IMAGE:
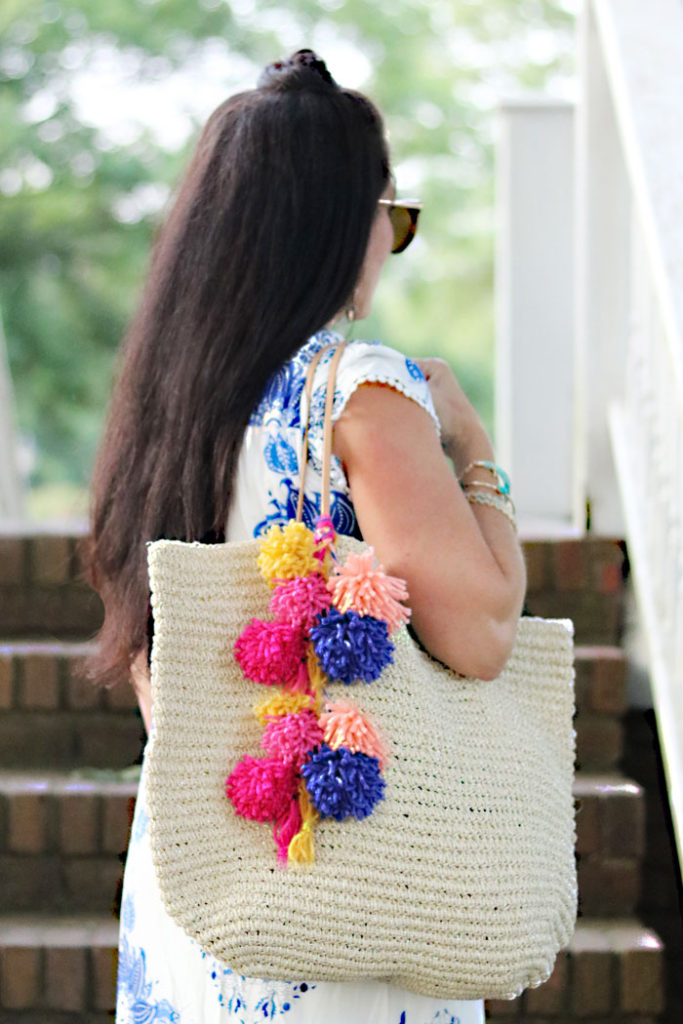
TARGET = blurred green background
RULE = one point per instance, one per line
(99, 106)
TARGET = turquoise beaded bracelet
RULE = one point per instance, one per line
(502, 477)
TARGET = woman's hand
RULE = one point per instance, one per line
(139, 677)
(463, 436)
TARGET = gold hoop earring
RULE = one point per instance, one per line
(350, 315)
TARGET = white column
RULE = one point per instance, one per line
(535, 362)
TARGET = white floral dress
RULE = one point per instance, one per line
(163, 975)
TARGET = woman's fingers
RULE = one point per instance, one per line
(461, 428)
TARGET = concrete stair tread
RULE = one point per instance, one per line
(595, 934)
(46, 646)
(613, 935)
(604, 784)
(608, 652)
(612, 972)
(64, 930)
(124, 781)
(99, 782)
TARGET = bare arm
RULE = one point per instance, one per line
(462, 563)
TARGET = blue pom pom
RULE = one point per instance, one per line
(342, 784)
(350, 646)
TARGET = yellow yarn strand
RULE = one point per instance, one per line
(317, 679)
(282, 704)
(301, 849)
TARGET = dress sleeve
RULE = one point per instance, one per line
(363, 362)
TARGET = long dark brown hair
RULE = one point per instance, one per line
(263, 247)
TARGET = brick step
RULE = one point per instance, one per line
(611, 973)
(610, 843)
(41, 592)
(52, 717)
(601, 705)
(59, 970)
(63, 840)
(580, 579)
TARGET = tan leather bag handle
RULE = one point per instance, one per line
(327, 428)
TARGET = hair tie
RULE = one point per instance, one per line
(303, 70)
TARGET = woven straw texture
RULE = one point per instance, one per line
(461, 884)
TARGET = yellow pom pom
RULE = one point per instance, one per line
(281, 703)
(287, 551)
(301, 849)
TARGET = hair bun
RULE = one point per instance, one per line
(303, 70)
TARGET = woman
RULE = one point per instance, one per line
(283, 223)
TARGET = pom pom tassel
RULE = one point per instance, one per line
(350, 646)
(345, 725)
(362, 587)
(261, 789)
(287, 551)
(273, 653)
(341, 784)
(298, 601)
(291, 737)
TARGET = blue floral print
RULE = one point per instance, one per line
(414, 370)
(283, 508)
(134, 992)
(278, 417)
(245, 1009)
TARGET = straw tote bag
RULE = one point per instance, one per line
(461, 881)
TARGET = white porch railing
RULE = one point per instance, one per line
(614, 381)
(11, 491)
(630, 150)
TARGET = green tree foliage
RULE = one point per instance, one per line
(80, 194)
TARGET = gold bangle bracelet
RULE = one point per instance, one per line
(500, 504)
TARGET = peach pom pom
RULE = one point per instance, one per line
(366, 589)
(286, 552)
(298, 601)
(345, 725)
(280, 703)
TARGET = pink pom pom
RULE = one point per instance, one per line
(273, 653)
(291, 737)
(298, 601)
(345, 725)
(361, 587)
(261, 789)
